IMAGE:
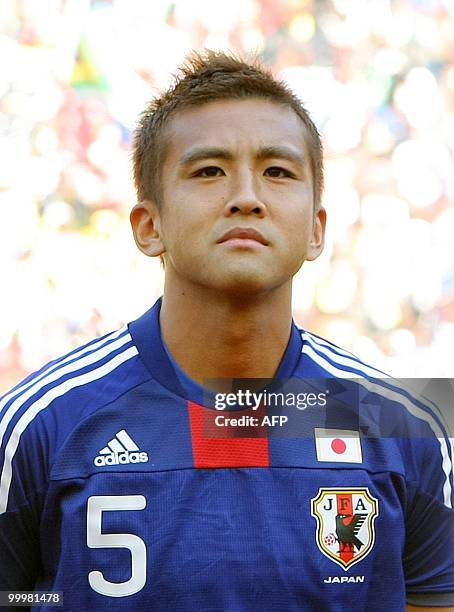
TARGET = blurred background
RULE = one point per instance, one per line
(378, 79)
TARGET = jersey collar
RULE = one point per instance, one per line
(146, 334)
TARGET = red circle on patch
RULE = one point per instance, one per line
(338, 446)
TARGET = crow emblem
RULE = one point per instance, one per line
(347, 526)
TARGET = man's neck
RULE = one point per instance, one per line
(212, 337)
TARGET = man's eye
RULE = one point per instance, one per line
(277, 172)
(209, 172)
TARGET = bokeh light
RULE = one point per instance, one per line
(378, 79)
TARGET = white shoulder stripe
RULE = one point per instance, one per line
(55, 375)
(41, 404)
(54, 366)
(321, 342)
(343, 358)
(401, 399)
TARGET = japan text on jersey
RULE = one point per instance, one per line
(114, 491)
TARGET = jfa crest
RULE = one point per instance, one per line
(345, 523)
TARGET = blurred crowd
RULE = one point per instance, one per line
(378, 79)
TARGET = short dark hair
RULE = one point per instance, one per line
(204, 77)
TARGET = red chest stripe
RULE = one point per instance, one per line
(228, 451)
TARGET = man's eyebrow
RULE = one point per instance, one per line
(277, 151)
(281, 151)
(200, 153)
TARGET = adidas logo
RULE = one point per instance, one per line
(120, 450)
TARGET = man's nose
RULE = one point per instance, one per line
(244, 197)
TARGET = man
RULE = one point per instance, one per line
(129, 480)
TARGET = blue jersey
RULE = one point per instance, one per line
(123, 486)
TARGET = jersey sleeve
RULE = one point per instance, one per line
(19, 543)
(429, 557)
(23, 467)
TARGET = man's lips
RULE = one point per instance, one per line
(243, 235)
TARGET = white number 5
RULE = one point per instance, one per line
(95, 539)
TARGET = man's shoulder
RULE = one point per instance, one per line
(87, 377)
(391, 409)
(40, 414)
(334, 361)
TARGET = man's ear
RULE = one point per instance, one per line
(317, 241)
(146, 227)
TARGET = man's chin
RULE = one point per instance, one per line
(245, 284)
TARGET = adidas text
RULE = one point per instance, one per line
(121, 458)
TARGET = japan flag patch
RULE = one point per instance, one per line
(338, 445)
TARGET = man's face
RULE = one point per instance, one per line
(237, 212)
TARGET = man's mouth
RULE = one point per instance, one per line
(243, 237)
